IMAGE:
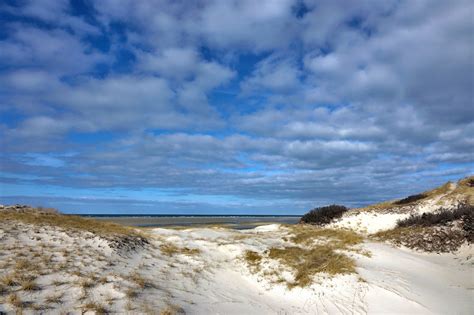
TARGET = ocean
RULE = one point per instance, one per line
(230, 221)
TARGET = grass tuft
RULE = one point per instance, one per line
(306, 263)
(69, 222)
(29, 285)
(170, 249)
(315, 251)
(95, 307)
(54, 298)
(15, 300)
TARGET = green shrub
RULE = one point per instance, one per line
(323, 215)
(442, 217)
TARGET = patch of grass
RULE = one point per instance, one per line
(54, 298)
(253, 259)
(307, 235)
(95, 307)
(315, 250)
(15, 300)
(171, 249)
(69, 222)
(140, 281)
(172, 310)
(86, 284)
(131, 293)
(58, 282)
(23, 264)
(9, 280)
(308, 262)
(29, 285)
(103, 280)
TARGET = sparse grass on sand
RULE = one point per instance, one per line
(15, 300)
(95, 307)
(252, 258)
(170, 249)
(29, 285)
(315, 251)
(69, 222)
(140, 281)
(308, 262)
(54, 298)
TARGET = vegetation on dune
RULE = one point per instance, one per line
(312, 251)
(410, 199)
(307, 235)
(170, 249)
(253, 260)
(323, 215)
(425, 238)
(308, 262)
(438, 218)
(39, 217)
(442, 231)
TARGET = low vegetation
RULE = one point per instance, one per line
(68, 222)
(306, 263)
(323, 215)
(442, 231)
(438, 218)
(170, 249)
(253, 260)
(312, 251)
(410, 199)
(95, 307)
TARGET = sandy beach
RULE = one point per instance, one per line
(205, 271)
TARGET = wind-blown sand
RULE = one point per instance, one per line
(202, 271)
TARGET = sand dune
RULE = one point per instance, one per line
(204, 271)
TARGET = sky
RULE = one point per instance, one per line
(232, 107)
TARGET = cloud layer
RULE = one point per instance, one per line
(233, 106)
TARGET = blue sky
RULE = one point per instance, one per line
(255, 107)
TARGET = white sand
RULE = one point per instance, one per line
(218, 281)
(376, 220)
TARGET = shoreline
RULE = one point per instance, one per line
(234, 222)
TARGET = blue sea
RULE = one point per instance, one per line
(165, 220)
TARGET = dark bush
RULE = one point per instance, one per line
(464, 212)
(323, 215)
(409, 199)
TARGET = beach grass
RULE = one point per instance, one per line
(69, 223)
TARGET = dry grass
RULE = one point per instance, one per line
(170, 249)
(86, 284)
(95, 307)
(172, 310)
(315, 251)
(140, 281)
(307, 235)
(29, 285)
(69, 222)
(15, 300)
(308, 262)
(103, 280)
(9, 280)
(131, 293)
(253, 259)
(54, 298)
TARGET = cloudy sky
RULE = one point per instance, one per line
(262, 107)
